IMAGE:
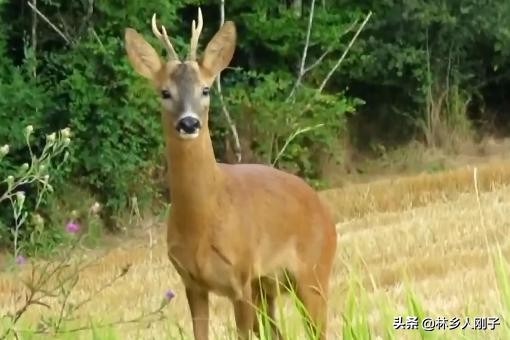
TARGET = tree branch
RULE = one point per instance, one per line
(88, 15)
(341, 59)
(305, 69)
(308, 106)
(34, 37)
(237, 146)
(55, 28)
(305, 52)
(292, 137)
(330, 48)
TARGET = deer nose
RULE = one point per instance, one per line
(188, 125)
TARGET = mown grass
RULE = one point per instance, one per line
(435, 246)
(407, 192)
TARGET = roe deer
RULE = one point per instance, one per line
(233, 229)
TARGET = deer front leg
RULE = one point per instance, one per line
(198, 301)
(244, 312)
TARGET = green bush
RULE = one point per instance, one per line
(260, 100)
(421, 69)
(115, 119)
(89, 86)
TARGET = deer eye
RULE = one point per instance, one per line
(205, 91)
(166, 94)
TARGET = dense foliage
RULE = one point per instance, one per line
(419, 69)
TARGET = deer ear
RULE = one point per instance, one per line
(142, 56)
(220, 50)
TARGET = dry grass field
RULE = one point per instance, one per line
(429, 232)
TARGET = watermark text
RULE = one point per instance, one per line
(482, 323)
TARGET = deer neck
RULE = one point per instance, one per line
(193, 176)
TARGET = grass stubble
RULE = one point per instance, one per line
(432, 245)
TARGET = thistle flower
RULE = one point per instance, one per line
(72, 227)
(20, 259)
(169, 295)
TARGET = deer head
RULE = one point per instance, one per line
(183, 86)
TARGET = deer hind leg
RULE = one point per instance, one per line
(312, 287)
(264, 302)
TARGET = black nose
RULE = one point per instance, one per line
(188, 125)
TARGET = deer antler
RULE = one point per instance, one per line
(195, 34)
(163, 37)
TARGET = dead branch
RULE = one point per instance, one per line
(34, 37)
(45, 18)
(341, 59)
(88, 16)
(330, 48)
(305, 52)
(230, 122)
(308, 106)
(305, 69)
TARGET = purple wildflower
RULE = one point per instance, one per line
(169, 295)
(72, 227)
(20, 259)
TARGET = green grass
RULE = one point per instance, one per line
(355, 315)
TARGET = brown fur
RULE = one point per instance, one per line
(233, 229)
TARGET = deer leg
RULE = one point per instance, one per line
(265, 304)
(312, 291)
(198, 301)
(257, 301)
(244, 312)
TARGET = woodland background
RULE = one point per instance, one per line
(436, 73)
